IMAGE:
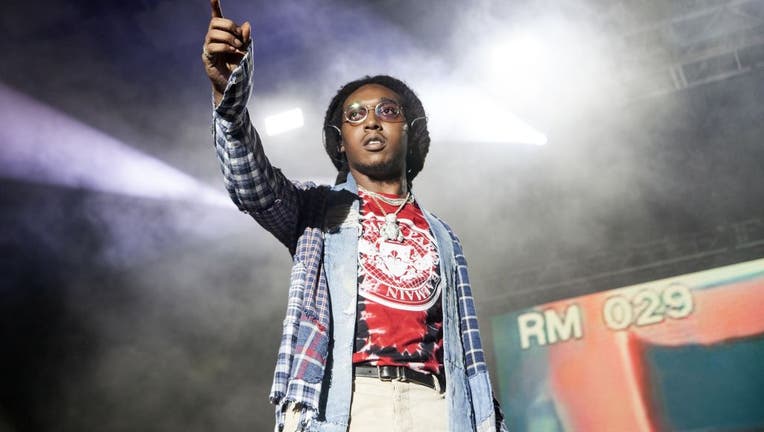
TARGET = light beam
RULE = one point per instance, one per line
(284, 122)
(42, 145)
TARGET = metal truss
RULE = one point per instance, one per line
(609, 269)
(708, 41)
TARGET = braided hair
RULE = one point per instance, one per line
(418, 135)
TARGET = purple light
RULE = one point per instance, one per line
(42, 145)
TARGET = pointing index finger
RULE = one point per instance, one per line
(216, 12)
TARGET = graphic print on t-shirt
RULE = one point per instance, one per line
(400, 318)
(399, 275)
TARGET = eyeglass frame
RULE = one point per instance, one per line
(339, 131)
(345, 118)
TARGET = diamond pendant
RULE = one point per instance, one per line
(390, 230)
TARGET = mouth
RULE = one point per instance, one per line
(374, 142)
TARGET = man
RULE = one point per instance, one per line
(380, 332)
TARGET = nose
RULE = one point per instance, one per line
(371, 122)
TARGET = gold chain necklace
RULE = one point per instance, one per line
(391, 201)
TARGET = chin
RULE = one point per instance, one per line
(382, 170)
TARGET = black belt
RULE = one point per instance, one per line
(400, 373)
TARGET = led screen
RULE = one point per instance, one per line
(681, 354)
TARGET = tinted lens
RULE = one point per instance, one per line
(355, 113)
(388, 111)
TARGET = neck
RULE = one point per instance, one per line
(397, 186)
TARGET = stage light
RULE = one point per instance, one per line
(509, 128)
(519, 66)
(42, 145)
(477, 117)
(284, 122)
(518, 56)
(555, 66)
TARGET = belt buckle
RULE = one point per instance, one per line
(401, 374)
(392, 373)
(379, 374)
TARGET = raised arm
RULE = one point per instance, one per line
(254, 185)
(224, 47)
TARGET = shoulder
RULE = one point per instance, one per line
(312, 196)
(448, 228)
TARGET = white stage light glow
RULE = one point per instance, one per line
(520, 55)
(479, 118)
(520, 66)
(284, 122)
(42, 145)
(504, 126)
(555, 66)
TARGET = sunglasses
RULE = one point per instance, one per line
(386, 110)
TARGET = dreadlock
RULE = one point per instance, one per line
(418, 135)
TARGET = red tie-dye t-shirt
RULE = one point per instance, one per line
(400, 319)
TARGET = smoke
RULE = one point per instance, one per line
(189, 343)
(131, 312)
(42, 145)
(128, 314)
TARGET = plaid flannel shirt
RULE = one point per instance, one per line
(294, 213)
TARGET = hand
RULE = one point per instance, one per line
(224, 46)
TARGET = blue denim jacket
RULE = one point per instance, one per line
(469, 400)
(320, 226)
